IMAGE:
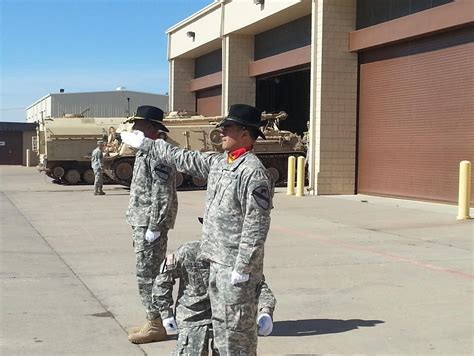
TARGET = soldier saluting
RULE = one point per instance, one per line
(236, 222)
(151, 213)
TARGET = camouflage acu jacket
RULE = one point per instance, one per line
(238, 203)
(192, 306)
(153, 199)
(97, 159)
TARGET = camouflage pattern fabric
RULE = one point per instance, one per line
(153, 205)
(153, 197)
(192, 307)
(235, 227)
(98, 180)
(195, 341)
(97, 159)
(266, 298)
(238, 203)
(97, 163)
(234, 311)
(149, 256)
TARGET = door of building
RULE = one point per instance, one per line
(208, 101)
(416, 123)
(11, 147)
(289, 92)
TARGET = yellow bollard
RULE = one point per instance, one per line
(300, 177)
(290, 190)
(464, 190)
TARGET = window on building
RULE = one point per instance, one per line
(208, 64)
(292, 35)
(372, 12)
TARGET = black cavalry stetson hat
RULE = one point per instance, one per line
(150, 113)
(244, 115)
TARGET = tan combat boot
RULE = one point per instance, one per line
(152, 331)
(134, 329)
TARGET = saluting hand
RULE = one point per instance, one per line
(134, 139)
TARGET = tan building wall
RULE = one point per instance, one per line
(238, 86)
(333, 99)
(180, 95)
(206, 26)
(332, 152)
(27, 144)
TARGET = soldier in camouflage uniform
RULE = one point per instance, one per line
(97, 163)
(151, 213)
(236, 222)
(192, 307)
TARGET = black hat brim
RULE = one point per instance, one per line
(232, 121)
(161, 126)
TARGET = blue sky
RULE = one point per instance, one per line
(84, 46)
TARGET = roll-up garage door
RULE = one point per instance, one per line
(208, 101)
(416, 123)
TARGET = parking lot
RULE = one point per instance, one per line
(353, 275)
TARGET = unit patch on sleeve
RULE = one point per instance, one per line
(162, 171)
(261, 195)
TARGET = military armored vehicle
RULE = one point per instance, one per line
(187, 131)
(64, 146)
(200, 133)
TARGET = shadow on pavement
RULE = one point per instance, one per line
(309, 327)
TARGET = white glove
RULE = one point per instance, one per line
(151, 236)
(170, 325)
(265, 324)
(237, 277)
(134, 139)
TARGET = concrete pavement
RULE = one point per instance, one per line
(353, 275)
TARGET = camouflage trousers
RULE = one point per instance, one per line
(149, 256)
(98, 180)
(195, 341)
(234, 311)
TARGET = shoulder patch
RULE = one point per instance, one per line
(261, 195)
(162, 171)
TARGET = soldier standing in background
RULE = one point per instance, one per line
(236, 222)
(193, 307)
(97, 163)
(151, 213)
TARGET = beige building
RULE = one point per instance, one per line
(384, 88)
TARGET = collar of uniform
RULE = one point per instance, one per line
(232, 156)
(236, 163)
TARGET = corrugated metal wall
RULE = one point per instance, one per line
(113, 104)
(100, 104)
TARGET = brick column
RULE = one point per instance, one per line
(333, 99)
(180, 97)
(238, 87)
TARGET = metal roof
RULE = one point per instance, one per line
(17, 126)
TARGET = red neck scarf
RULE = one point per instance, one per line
(232, 156)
